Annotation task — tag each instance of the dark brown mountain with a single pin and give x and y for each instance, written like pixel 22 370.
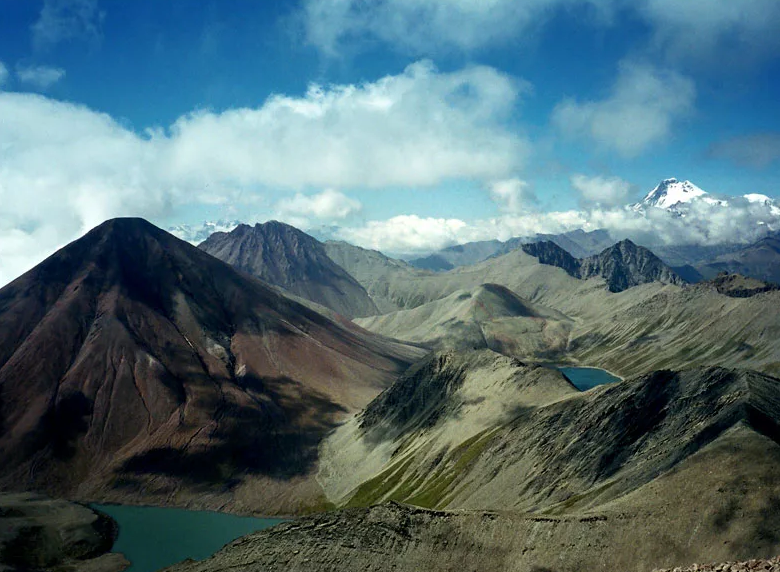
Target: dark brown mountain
pixel 291 259
pixel 622 265
pixel 135 367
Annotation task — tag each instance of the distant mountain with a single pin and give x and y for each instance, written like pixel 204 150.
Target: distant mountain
pixel 578 242
pixel 137 368
pixel 197 234
pixel 458 255
pixel 671 193
pixel 622 265
pixel 289 258
pixel 760 260
pixel 676 196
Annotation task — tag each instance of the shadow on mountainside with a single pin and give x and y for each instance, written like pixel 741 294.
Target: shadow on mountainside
pixel 276 436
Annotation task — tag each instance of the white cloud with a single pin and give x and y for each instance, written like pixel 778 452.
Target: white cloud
pixel 606 191
pixel 65 168
pixel 40 77
pixel 329 205
pixel 417 128
pixel 3 74
pixel 513 195
pixel 62 20
pixel 640 111
pixel 408 234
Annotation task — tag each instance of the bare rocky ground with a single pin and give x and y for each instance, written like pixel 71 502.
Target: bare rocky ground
pixel 771 565
pixel 38 533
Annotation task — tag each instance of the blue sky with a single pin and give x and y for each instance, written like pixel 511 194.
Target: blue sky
pixel 432 122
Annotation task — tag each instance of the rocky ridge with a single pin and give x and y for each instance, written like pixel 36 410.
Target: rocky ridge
pixel 622 265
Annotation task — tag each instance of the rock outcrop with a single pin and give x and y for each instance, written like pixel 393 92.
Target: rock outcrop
pixel 39 533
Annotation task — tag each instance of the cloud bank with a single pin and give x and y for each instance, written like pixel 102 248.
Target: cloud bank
pixel 65 168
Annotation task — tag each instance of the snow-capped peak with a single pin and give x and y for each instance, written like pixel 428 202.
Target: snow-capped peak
pixel 671 192
pixel 758 198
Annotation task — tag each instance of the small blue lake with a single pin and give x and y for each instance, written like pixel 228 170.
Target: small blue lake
pixel 585 378
pixel 152 538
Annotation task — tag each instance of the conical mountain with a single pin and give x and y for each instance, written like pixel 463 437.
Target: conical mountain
pixel 135 367
pixel 289 258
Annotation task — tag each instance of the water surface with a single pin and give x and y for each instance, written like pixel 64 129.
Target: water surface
pixel 585 378
pixel 152 538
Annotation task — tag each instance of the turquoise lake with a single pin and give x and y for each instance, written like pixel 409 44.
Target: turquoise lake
pixel 585 378
pixel 152 538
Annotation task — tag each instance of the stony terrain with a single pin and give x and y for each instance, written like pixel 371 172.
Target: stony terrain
pixel 136 368
pixel 771 565
pixel 37 532
pixel 289 258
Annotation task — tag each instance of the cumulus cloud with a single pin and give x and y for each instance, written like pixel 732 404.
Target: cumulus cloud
pixel 742 221
pixel 416 128
pixel 607 191
pixel 409 234
pixel 64 20
pixel 755 150
pixel 328 206
pixel 3 74
pixel 639 112
pixel 40 77
pixel 65 168
pixel 513 195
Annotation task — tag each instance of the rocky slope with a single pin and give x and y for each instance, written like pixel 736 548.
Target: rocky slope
pixel 289 258
pixel 374 271
pixel 657 471
pixel 135 367
pixel 488 316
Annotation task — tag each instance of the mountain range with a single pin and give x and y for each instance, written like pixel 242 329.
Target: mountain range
pixel 433 432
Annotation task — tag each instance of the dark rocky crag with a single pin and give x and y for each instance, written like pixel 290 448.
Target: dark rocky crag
pixel 289 258
pixel 40 533
pixel 622 265
pixel 135 367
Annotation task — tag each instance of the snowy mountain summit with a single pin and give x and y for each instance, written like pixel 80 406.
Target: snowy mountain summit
pixel 670 193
